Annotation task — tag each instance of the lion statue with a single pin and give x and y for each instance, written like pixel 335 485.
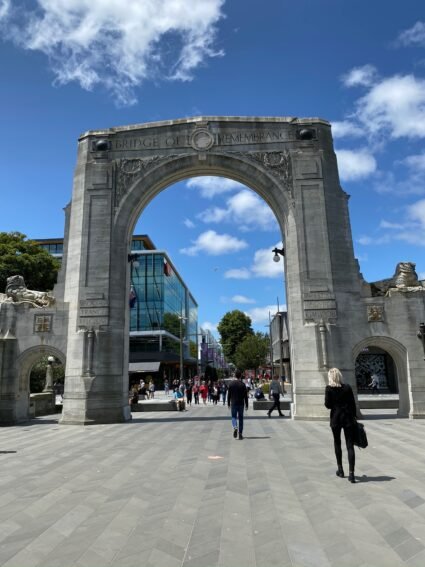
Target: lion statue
pixel 17 292
pixel 404 279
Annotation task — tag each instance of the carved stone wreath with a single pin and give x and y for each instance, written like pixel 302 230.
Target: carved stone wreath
pixel 277 163
pixel 128 170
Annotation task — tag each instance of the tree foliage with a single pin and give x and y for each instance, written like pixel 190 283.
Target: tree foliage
pixel 252 352
pixel 234 327
pixel 19 256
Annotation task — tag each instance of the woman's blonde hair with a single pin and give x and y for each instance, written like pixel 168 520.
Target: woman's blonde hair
pixel 335 377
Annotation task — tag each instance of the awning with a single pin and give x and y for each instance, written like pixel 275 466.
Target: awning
pixel 143 366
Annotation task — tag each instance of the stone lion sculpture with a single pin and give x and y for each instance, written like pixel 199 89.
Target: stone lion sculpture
pixel 17 292
pixel 404 279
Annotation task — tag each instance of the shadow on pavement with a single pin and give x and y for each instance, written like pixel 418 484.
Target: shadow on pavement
pixel 382 478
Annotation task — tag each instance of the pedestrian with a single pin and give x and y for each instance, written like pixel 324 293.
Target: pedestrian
pixel 134 394
pixel 189 389
pixel 166 387
pixel 339 398
pixel 374 383
pixel 151 390
pixel 210 387
pixel 195 391
pixel 203 390
pixel 275 391
pixel 223 391
pixel 179 399
pixel 237 399
pixel 215 393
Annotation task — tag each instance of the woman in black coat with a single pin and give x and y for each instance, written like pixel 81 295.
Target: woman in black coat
pixel 339 398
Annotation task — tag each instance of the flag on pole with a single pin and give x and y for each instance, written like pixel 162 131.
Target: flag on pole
pixel 132 297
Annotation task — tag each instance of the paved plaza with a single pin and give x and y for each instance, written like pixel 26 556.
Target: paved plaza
pixel 175 489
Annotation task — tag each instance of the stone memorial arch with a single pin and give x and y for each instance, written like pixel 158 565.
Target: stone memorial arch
pixel 334 316
pixel 289 162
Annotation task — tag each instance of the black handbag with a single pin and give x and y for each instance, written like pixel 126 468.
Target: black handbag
pixel 360 437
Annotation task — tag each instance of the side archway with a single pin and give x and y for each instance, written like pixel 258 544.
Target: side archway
pixel 25 362
pixel 398 354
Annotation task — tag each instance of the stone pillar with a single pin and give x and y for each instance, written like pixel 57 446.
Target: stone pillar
pixel 9 382
pixel 94 384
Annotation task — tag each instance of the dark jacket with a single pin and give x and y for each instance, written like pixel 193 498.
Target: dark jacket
pixel 237 394
pixel 342 405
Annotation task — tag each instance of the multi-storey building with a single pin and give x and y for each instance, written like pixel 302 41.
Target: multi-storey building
pixel 163 314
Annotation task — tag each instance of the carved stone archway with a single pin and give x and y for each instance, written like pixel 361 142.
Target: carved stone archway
pixel 289 162
pixel 399 355
pixel 24 365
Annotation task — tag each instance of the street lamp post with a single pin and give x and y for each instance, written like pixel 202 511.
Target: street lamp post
pixel 181 318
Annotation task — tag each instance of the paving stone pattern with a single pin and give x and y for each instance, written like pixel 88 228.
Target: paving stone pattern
pixel 147 494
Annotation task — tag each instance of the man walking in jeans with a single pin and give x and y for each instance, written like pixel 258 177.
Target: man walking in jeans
pixel 237 398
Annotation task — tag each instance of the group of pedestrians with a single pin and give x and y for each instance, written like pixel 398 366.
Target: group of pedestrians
pixel 199 391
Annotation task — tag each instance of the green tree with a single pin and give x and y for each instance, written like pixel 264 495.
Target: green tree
pixel 252 352
pixel 19 256
pixel 233 329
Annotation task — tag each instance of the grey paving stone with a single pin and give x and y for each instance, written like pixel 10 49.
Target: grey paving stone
pixel 133 494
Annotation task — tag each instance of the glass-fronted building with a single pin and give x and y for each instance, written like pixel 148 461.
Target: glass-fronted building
pixel 163 317
pixel 163 313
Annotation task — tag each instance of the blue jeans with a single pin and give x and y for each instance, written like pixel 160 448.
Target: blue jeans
pixel 237 415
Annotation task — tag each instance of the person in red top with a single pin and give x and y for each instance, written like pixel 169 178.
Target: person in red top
pixel 203 390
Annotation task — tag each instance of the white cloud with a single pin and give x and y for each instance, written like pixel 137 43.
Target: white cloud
pixel 238 274
pixel 242 299
pixel 4 8
pixel 355 164
pixel 208 326
pixel 244 209
pixel 214 244
pixel 209 186
pixel 411 229
pixel 416 212
pixel 345 129
pixel 264 266
pixel 390 225
pixel 413 35
pixel 116 45
pixel 214 215
pixel 260 315
pixel 394 107
pixel 376 240
pixel 360 76
pixel 188 223
pixel 416 162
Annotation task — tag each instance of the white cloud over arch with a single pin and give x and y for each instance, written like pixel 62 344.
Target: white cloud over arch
pixel 355 164
pixel 210 186
pixel 245 209
pixel 116 44
pixel 214 244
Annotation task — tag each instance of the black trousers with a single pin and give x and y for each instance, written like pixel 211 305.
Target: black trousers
pixel 349 437
pixel 276 405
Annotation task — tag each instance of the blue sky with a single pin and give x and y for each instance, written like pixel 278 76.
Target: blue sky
pixel 73 65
